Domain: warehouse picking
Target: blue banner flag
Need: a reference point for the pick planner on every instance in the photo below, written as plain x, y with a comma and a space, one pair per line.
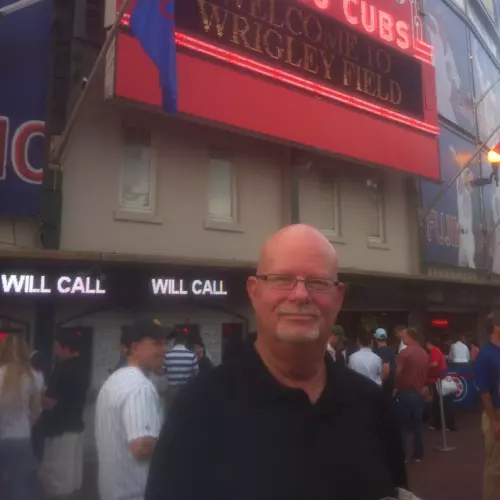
153, 24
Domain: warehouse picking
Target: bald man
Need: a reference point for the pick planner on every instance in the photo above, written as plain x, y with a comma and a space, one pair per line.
284, 422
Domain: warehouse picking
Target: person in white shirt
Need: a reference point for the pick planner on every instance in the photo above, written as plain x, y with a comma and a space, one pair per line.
365, 361
129, 416
20, 406
459, 352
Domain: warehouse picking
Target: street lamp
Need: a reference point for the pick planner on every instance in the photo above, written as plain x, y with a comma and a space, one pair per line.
494, 155
494, 160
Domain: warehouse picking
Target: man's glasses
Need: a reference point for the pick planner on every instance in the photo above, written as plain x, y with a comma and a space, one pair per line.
289, 282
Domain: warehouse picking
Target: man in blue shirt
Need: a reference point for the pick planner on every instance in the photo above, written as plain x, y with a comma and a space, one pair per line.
488, 383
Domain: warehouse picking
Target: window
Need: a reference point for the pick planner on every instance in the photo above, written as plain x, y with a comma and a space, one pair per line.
138, 172
221, 195
376, 212
320, 202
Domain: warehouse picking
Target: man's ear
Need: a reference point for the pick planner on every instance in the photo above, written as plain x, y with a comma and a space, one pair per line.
252, 287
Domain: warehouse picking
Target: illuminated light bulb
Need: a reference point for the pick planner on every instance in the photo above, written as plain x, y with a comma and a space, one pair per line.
493, 156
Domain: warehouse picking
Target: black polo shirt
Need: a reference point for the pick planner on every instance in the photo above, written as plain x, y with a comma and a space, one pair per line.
237, 434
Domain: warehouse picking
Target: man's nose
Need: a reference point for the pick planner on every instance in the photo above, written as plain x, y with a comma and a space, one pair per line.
300, 293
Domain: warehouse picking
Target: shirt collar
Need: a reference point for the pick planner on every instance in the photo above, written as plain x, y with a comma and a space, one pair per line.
267, 389
179, 347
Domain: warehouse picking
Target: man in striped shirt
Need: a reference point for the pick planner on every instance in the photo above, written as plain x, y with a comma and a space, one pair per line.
180, 365
129, 416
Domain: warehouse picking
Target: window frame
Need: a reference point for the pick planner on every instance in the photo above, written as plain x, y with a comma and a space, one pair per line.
213, 221
333, 234
381, 240
124, 212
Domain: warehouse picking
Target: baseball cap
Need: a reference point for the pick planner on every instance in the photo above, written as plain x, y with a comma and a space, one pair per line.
338, 331
145, 328
380, 334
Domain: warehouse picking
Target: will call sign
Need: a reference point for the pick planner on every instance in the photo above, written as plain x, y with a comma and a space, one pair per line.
316, 47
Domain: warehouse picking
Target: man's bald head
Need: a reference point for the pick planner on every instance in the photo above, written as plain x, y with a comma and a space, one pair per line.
295, 292
297, 239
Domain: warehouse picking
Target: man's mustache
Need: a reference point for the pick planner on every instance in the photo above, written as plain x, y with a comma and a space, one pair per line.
285, 311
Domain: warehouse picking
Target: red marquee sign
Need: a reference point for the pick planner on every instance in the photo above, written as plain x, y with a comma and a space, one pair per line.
295, 72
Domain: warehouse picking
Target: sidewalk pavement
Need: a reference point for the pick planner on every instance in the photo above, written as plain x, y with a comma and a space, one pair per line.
451, 475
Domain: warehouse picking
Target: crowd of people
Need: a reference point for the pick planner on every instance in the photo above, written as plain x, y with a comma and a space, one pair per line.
384, 365
41, 418
41, 410
408, 372
298, 414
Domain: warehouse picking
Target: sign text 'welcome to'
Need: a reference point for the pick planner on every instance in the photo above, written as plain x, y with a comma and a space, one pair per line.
313, 46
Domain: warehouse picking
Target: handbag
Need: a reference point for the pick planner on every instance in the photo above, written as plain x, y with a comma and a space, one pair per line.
448, 387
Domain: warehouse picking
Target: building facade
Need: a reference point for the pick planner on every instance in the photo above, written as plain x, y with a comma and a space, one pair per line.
321, 112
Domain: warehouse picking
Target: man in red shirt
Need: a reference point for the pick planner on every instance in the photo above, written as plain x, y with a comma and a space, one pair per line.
437, 367
411, 374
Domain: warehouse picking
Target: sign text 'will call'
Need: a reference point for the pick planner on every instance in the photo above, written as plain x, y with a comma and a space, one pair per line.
173, 286
30, 284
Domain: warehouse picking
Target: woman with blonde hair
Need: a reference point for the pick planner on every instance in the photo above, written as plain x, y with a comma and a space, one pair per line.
20, 396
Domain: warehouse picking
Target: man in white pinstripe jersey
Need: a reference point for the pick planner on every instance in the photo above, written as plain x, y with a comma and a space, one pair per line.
129, 416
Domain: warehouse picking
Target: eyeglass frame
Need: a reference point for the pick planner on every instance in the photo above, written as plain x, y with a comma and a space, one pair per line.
334, 284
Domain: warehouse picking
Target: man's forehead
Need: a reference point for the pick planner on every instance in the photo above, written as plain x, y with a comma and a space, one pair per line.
296, 250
